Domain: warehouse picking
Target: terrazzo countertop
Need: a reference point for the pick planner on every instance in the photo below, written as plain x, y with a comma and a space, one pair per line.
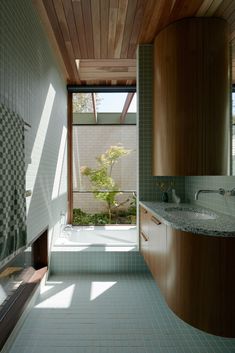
223, 225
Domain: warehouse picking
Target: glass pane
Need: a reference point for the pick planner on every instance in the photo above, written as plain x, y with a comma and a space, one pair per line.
107, 153
103, 108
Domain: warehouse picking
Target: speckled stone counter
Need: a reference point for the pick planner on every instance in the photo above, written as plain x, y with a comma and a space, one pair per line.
223, 225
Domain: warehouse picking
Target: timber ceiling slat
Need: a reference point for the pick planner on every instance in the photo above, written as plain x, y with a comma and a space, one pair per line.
69, 18
128, 26
107, 62
113, 11
112, 29
231, 17
214, 6
184, 8
121, 18
95, 11
104, 13
150, 24
88, 29
148, 13
49, 6
204, 7
66, 35
136, 28
79, 20
160, 18
222, 8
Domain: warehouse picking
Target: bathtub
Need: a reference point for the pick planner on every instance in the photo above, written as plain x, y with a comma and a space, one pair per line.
114, 235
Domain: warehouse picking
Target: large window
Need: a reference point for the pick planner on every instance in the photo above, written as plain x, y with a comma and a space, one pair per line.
104, 158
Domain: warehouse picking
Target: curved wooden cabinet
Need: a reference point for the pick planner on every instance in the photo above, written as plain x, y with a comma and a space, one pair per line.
191, 98
200, 275
194, 272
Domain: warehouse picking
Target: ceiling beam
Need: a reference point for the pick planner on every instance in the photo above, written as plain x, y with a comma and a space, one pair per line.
127, 103
94, 106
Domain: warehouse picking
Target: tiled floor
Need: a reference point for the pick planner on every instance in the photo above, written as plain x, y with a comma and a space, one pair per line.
109, 313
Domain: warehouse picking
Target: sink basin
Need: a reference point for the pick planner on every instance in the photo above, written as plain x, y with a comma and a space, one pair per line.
190, 213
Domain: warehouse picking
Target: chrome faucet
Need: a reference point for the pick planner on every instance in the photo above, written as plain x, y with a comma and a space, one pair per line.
219, 191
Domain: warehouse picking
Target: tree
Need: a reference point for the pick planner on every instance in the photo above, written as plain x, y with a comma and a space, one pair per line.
82, 102
103, 185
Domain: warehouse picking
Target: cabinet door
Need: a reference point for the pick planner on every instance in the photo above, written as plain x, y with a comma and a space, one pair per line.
145, 217
157, 251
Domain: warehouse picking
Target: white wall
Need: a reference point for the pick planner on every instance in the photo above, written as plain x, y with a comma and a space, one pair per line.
31, 85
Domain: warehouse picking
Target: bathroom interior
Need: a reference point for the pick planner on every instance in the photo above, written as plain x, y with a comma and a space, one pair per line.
167, 283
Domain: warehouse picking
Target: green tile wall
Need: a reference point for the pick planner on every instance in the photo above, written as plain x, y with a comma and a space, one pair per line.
214, 201
32, 86
148, 190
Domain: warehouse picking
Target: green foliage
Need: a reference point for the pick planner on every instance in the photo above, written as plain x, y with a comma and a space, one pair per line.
103, 185
120, 217
82, 102
80, 217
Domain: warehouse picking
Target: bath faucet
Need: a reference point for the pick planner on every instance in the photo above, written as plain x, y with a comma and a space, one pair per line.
219, 191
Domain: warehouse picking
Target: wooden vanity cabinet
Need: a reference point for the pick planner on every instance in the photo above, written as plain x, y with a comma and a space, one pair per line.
200, 280
144, 233
153, 245
195, 273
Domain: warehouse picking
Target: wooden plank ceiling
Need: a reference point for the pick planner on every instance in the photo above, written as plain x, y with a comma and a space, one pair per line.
102, 35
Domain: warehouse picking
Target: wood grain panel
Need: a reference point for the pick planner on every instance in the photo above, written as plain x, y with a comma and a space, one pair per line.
136, 29
95, 11
205, 5
145, 218
66, 35
104, 13
200, 280
90, 29
79, 20
52, 39
113, 12
128, 27
157, 252
220, 12
48, 4
121, 18
121, 69
184, 8
191, 57
214, 6
69, 18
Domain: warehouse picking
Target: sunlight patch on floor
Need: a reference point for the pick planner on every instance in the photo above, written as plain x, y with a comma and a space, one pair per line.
98, 288
61, 300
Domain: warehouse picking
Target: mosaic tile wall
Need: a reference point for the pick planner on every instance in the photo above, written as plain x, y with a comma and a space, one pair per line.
96, 262
31, 85
224, 204
148, 190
